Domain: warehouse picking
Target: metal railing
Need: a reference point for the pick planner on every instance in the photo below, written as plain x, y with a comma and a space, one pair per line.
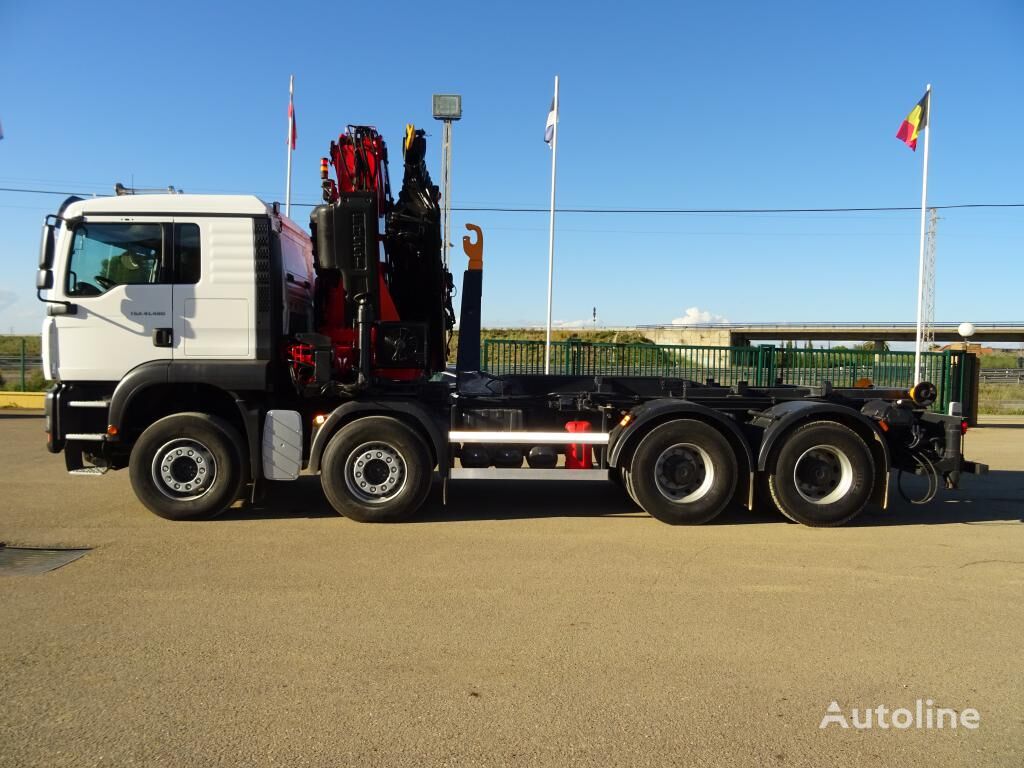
1002, 375
763, 365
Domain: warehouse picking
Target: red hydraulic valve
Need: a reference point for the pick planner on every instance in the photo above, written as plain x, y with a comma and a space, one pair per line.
577, 455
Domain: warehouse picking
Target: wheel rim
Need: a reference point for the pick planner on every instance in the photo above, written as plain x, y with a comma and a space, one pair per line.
375, 472
823, 474
184, 469
684, 473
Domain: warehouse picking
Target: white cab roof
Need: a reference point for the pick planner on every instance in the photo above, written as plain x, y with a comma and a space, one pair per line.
243, 205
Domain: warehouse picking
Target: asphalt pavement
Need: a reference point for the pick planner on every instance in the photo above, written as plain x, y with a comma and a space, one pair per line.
523, 624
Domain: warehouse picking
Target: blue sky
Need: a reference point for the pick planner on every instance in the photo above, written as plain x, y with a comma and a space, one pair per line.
691, 105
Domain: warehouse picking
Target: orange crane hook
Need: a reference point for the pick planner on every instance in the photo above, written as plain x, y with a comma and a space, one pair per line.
474, 250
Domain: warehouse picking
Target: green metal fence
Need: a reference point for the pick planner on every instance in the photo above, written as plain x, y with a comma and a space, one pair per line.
18, 368
759, 366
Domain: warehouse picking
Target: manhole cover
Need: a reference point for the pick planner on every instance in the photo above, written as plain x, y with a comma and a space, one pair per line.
29, 561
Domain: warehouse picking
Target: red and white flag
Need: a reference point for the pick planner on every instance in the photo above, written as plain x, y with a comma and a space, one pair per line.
292, 131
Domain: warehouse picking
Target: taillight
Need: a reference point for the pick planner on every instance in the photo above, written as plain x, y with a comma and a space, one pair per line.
963, 427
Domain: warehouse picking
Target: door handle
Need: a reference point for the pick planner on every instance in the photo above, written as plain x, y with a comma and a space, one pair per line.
163, 337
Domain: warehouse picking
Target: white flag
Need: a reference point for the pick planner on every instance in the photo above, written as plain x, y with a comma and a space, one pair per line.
549, 126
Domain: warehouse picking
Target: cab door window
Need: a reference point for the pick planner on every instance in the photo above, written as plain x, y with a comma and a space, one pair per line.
186, 254
105, 255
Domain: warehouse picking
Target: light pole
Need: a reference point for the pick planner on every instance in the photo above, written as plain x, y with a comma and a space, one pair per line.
447, 108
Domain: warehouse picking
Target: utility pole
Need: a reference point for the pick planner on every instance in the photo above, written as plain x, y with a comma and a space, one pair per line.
928, 330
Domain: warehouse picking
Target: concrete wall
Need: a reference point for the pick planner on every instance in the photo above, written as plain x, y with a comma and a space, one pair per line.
690, 335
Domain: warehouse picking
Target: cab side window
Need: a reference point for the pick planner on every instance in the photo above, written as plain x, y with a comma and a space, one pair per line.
107, 255
186, 253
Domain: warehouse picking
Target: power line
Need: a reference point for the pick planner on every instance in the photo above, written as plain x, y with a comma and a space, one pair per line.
739, 210
617, 211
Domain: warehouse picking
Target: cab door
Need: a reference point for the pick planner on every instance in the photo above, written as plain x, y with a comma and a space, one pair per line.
117, 274
214, 289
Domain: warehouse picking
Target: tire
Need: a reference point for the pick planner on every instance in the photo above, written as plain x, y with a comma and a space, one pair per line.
188, 466
823, 475
683, 472
376, 470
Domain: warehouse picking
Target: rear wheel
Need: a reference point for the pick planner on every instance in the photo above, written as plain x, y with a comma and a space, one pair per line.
823, 475
188, 466
376, 470
683, 472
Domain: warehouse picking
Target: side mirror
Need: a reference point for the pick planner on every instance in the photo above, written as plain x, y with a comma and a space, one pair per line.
54, 309
46, 245
44, 280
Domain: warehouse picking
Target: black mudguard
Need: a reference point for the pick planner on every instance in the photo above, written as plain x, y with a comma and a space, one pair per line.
780, 419
623, 440
412, 413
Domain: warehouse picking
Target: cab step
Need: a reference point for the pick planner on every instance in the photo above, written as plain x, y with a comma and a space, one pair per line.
95, 471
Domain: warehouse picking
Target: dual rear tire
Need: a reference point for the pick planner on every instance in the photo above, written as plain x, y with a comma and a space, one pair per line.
685, 472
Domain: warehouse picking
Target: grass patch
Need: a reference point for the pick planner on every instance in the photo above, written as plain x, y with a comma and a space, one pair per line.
11, 345
534, 334
34, 382
1001, 359
1001, 399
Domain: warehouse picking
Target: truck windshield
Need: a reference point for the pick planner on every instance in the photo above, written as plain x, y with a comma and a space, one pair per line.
107, 255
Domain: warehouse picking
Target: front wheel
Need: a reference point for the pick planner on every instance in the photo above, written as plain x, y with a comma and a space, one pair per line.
684, 472
376, 470
823, 475
187, 466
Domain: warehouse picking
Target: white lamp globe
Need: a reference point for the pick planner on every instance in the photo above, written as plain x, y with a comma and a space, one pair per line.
966, 330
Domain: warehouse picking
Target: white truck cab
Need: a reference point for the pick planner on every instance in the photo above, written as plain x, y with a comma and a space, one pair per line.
164, 317
137, 279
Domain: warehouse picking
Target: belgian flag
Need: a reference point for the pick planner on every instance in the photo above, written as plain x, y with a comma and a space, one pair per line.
914, 122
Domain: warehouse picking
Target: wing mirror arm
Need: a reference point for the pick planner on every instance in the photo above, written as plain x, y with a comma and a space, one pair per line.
55, 307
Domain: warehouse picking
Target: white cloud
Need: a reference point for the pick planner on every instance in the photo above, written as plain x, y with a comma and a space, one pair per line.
572, 324
698, 316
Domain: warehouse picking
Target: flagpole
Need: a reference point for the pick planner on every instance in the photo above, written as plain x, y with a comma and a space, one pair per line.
291, 118
920, 266
551, 234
